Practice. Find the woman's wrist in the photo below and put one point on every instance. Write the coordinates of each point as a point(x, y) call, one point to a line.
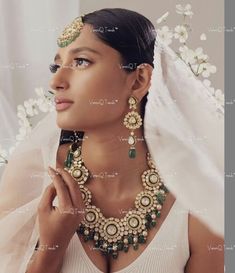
point(46, 261)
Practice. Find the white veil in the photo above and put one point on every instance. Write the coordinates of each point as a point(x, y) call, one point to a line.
point(184, 133)
point(184, 130)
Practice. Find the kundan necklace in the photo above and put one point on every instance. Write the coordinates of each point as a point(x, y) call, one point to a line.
point(111, 235)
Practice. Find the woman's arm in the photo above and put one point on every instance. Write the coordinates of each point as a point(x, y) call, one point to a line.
point(206, 248)
point(45, 261)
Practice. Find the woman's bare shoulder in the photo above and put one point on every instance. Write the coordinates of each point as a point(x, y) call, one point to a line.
point(206, 248)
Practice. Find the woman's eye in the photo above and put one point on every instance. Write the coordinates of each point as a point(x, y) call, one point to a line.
point(80, 61)
point(53, 67)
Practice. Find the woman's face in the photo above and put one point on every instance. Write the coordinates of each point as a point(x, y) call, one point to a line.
point(98, 87)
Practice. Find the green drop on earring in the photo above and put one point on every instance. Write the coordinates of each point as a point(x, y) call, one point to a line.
point(69, 159)
point(132, 152)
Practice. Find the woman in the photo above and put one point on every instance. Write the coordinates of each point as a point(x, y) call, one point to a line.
point(100, 93)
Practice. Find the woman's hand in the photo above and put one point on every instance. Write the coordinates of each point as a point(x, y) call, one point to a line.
point(58, 224)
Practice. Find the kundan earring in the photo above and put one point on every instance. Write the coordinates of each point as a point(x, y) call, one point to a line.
point(132, 121)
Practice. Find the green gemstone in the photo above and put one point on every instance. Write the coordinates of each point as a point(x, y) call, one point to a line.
point(91, 235)
point(86, 238)
point(99, 243)
point(147, 225)
point(70, 157)
point(153, 223)
point(81, 229)
point(160, 198)
point(141, 239)
point(120, 245)
point(125, 248)
point(163, 187)
point(115, 255)
point(110, 249)
point(130, 239)
point(69, 160)
point(132, 153)
point(135, 246)
point(148, 217)
point(158, 214)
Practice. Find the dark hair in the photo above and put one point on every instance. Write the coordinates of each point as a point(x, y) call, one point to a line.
point(130, 33)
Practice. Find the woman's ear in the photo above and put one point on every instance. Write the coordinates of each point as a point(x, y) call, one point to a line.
point(142, 80)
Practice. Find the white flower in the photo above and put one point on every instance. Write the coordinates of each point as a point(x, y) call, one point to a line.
point(30, 108)
point(44, 105)
point(23, 132)
point(162, 18)
point(207, 69)
point(200, 56)
point(24, 122)
point(186, 11)
point(203, 37)
point(181, 33)
point(198, 68)
point(165, 34)
point(219, 96)
point(202, 66)
point(21, 113)
point(187, 54)
point(207, 84)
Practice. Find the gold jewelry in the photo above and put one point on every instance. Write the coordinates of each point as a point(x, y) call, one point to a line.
point(112, 234)
point(71, 32)
point(132, 121)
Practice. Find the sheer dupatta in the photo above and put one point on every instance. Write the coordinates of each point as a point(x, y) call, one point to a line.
point(23, 182)
point(184, 130)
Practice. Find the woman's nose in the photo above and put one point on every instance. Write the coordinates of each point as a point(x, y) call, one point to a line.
point(59, 81)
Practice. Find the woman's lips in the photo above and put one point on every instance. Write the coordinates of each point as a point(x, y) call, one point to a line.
point(63, 105)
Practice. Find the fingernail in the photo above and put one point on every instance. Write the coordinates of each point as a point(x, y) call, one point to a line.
point(50, 170)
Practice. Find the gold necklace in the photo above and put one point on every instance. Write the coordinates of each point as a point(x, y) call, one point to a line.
point(111, 235)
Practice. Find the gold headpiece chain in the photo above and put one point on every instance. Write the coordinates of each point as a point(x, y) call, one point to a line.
point(71, 32)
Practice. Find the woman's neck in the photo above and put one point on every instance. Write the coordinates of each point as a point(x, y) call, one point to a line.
point(111, 169)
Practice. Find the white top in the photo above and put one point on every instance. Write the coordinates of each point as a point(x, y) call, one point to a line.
point(168, 251)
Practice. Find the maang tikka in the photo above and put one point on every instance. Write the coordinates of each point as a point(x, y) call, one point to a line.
point(71, 32)
point(132, 121)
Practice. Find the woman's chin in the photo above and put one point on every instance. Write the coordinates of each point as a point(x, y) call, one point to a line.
point(64, 125)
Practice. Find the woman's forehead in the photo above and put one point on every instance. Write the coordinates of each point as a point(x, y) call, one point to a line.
point(87, 41)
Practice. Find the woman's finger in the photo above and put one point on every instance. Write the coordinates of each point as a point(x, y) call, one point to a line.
point(62, 190)
point(48, 196)
point(74, 190)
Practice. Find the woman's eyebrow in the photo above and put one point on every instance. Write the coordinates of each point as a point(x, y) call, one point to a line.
point(76, 50)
